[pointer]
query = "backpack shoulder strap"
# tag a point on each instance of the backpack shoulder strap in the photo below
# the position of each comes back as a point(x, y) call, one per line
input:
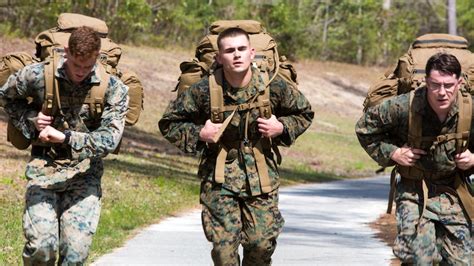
point(216, 95)
point(50, 82)
point(414, 124)
point(263, 99)
point(96, 97)
point(464, 120)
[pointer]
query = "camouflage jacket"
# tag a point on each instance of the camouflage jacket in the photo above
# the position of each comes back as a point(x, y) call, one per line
point(186, 116)
point(384, 128)
point(22, 97)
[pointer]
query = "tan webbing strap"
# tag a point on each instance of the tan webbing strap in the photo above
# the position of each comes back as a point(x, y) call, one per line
point(465, 196)
point(220, 165)
point(414, 140)
point(49, 81)
point(464, 120)
point(97, 93)
point(414, 124)
point(262, 167)
point(263, 99)
point(424, 189)
point(226, 122)
point(215, 91)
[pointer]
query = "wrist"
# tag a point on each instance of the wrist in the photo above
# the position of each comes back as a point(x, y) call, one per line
point(67, 136)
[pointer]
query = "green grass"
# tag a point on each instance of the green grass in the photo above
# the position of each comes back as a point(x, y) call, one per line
point(11, 237)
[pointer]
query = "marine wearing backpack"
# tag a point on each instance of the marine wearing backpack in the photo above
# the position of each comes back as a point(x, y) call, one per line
point(267, 60)
point(49, 44)
point(406, 77)
point(238, 169)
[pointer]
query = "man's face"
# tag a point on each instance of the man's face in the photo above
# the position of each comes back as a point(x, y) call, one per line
point(235, 54)
point(78, 68)
point(442, 90)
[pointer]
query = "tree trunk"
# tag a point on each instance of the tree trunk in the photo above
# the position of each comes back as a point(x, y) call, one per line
point(386, 4)
point(452, 29)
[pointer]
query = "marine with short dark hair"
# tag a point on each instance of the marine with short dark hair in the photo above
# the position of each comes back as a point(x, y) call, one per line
point(432, 196)
point(64, 174)
point(242, 208)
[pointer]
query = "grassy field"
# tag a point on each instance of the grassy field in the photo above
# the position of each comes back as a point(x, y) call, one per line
point(150, 179)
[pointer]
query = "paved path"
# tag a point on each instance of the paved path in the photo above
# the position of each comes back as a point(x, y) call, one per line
point(326, 224)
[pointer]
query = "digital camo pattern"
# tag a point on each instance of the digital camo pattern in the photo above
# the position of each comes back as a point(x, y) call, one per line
point(63, 190)
point(254, 222)
point(185, 117)
point(441, 236)
point(236, 212)
point(77, 204)
point(444, 232)
point(384, 128)
point(91, 138)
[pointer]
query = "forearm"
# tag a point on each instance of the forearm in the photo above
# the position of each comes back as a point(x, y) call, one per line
point(378, 149)
point(294, 126)
point(184, 135)
point(106, 138)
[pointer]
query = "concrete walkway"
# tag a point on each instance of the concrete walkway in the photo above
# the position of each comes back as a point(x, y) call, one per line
point(326, 224)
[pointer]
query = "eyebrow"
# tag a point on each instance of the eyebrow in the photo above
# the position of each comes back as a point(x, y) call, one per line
point(240, 48)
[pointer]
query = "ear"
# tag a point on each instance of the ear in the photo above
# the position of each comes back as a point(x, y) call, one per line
point(252, 53)
point(218, 58)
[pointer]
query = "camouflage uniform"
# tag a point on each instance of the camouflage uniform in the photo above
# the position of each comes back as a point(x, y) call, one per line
point(442, 234)
point(64, 180)
point(237, 212)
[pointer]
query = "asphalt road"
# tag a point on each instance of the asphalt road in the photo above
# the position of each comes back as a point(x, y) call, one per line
point(326, 224)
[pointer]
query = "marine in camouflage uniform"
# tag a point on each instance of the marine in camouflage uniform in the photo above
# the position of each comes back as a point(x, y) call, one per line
point(237, 211)
point(63, 197)
point(442, 235)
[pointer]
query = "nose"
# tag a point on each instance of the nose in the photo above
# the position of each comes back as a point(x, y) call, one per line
point(236, 53)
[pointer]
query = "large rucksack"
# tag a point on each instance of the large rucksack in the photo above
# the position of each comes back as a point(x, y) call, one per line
point(49, 44)
point(407, 76)
point(409, 73)
point(267, 61)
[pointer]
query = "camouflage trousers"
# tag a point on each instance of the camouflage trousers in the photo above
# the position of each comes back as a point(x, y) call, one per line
point(228, 221)
point(65, 217)
point(442, 235)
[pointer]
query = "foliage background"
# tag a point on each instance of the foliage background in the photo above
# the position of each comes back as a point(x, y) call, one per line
point(351, 31)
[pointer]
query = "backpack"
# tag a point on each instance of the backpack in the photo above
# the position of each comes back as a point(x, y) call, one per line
point(409, 73)
point(270, 65)
point(48, 44)
point(406, 77)
point(267, 60)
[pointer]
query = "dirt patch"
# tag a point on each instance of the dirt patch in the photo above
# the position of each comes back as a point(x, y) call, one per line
point(386, 227)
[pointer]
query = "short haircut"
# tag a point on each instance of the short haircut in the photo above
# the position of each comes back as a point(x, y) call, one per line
point(84, 41)
point(231, 32)
point(444, 63)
